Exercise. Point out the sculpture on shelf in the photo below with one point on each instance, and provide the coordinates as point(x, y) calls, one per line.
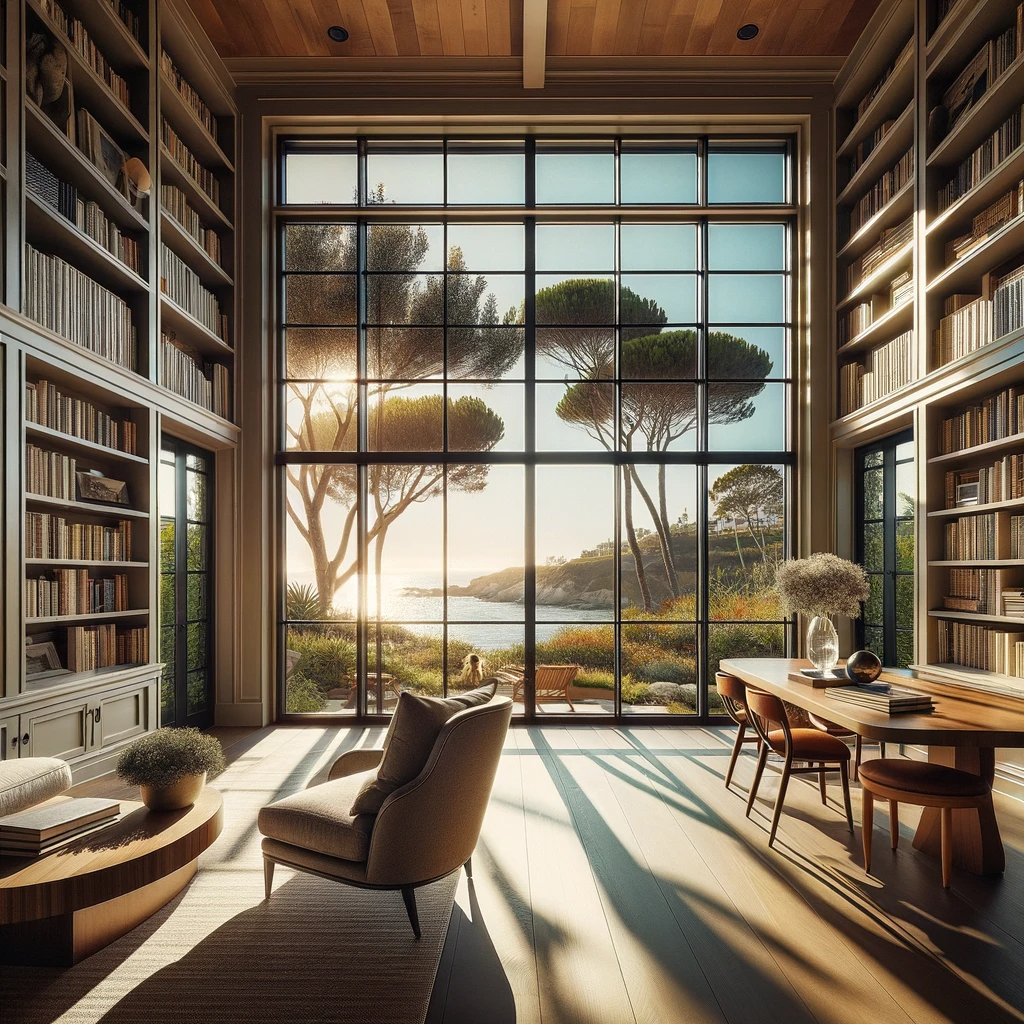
point(46, 80)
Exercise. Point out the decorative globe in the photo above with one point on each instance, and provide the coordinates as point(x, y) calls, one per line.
point(863, 667)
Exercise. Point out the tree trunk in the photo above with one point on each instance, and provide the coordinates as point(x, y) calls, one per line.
point(736, 537)
point(666, 532)
point(661, 528)
point(634, 547)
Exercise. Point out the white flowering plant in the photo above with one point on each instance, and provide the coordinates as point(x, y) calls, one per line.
point(823, 584)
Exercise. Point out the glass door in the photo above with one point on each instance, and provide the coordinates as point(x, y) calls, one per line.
point(885, 547)
point(186, 585)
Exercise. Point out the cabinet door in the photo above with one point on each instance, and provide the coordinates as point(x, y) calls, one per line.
point(64, 731)
point(10, 737)
point(122, 715)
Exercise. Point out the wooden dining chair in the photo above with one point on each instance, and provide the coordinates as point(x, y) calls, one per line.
point(734, 696)
point(925, 785)
point(821, 751)
point(843, 733)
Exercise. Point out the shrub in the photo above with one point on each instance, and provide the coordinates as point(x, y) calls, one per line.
point(595, 678)
point(591, 647)
point(636, 693)
point(326, 657)
point(744, 640)
point(681, 670)
point(163, 757)
point(302, 695)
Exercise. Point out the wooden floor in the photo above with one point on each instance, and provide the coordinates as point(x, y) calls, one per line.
point(616, 880)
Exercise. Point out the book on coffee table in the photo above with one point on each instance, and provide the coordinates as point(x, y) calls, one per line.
point(882, 697)
point(39, 829)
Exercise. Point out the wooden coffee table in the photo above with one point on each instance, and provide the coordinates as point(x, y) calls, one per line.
point(57, 909)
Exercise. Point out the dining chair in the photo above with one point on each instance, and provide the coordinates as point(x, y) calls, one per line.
point(822, 752)
point(843, 733)
point(733, 692)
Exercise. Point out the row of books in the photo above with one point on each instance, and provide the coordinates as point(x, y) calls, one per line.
point(185, 159)
point(965, 327)
point(49, 473)
point(862, 316)
point(982, 162)
point(177, 206)
point(992, 650)
point(890, 241)
point(185, 288)
point(1003, 480)
point(188, 93)
point(1017, 536)
point(887, 186)
point(75, 592)
point(47, 406)
point(82, 42)
point(48, 826)
point(867, 145)
point(890, 367)
point(129, 19)
point(1008, 303)
point(62, 299)
point(103, 646)
point(991, 220)
point(980, 591)
point(998, 416)
point(183, 372)
point(86, 215)
point(979, 536)
point(868, 98)
point(50, 536)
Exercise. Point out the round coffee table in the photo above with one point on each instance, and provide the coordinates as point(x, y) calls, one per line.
point(57, 909)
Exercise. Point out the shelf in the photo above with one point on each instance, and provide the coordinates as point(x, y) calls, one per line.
point(995, 620)
point(974, 678)
point(72, 682)
point(897, 209)
point(1001, 179)
point(196, 409)
point(58, 620)
point(55, 150)
point(86, 563)
point(172, 173)
point(978, 123)
point(969, 510)
point(100, 451)
point(85, 507)
point(891, 98)
point(109, 33)
point(988, 446)
point(182, 244)
point(46, 228)
point(962, 32)
point(1004, 244)
point(896, 320)
point(868, 285)
point(190, 129)
point(173, 319)
point(899, 139)
point(92, 92)
point(979, 563)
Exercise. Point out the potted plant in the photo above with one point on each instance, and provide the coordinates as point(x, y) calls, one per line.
point(170, 766)
point(819, 587)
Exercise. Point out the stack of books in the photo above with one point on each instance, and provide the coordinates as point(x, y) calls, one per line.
point(990, 221)
point(975, 590)
point(50, 825)
point(889, 368)
point(95, 647)
point(884, 697)
point(50, 536)
point(188, 93)
point(1013, 603)
point(187, 161)
point(75, 592)
point(1008, 303)
point(978, 537)
point(998, 416)
point(891, 240)
point(184, 373)
point(1002, 481)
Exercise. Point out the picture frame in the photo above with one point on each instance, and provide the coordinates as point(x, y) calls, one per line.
point(101, 489)
point(42, 660)
point(967, 494)
point(101, 149)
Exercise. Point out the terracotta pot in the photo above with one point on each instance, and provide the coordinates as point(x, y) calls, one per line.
point(176, 796)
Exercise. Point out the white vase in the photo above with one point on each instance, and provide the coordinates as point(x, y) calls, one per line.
point(822, 643)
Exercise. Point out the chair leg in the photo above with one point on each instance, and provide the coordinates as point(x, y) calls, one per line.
point(894, 823)
point(779, 800)
point(268, 876)
point(736, 748)
point(821, 784)
point(469, 867)
point(762, 758)
point(409, 897)
point(856, 756)
point(946, 827)
point(881, 747)
point(867, 824)
point(569, 702)
point(844, 774)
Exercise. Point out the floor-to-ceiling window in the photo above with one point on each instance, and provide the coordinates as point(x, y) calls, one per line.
point(534, 407)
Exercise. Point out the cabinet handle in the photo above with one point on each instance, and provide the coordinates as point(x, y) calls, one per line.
point(25, 739)
point(14, 741)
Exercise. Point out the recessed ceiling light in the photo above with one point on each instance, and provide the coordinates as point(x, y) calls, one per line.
point(747, 32)
point(337, 33)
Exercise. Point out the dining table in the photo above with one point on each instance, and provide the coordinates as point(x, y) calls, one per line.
point(962, 730)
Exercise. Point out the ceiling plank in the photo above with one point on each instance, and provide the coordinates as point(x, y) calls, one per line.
point(428, 27)
point(580, 37)
point(474, 27)
point(499, 39)
point(453, 39)
point(535, 35)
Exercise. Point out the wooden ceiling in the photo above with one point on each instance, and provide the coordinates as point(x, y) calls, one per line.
point(575, 28)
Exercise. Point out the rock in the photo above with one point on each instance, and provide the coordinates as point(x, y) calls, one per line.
point(675, 693)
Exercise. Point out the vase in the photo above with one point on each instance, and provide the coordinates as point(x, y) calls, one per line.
point(179, 794)
point(822, 643)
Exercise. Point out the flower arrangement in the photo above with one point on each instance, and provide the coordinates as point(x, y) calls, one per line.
point(822, 585)
point(162, 758)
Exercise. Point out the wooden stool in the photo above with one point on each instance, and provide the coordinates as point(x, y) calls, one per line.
point(842, 732)
point(734, 697)
point(925, 785)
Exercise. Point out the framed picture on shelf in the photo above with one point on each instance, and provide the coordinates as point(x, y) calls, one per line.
point(104, 152)
point(93, 487)
point(42, 660)
point(967, 494)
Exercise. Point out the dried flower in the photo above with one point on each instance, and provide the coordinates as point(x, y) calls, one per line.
point(822, 585)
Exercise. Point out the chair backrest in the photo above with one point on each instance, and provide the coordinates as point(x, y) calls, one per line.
point(766, 711)
point(555, 677)
point(430, 826)
point(733, 693)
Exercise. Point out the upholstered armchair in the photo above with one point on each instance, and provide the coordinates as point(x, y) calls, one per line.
point(424, 830)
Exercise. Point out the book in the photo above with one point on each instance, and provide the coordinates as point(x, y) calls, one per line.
point(996, 417)
point(183, 286)
point(883, 697)
point(50, 819)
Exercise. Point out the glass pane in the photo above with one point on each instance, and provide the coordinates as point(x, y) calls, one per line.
point(403, 657)
point(906, 487)
point(320, 247)
point(747, 247)
point(196, 547)
point(749, 353)
point(576, 247)
point(659, 246)
point(168, 601)
point(320, 353)
point(314, 178)
point(321, 417)
point(485, 179)
point(652, 177)
point(575, 179)
point(404, 299)
point(576, 417)
point(167, 651)
point(404, 247)
point(195, 633)
point(872, 483)
point(498, 649)
point(487, 246)
point(904, 648)
point(166, 698)
point(196, 601)
point(167, 546)
point(197, 692)
point(874, 614)
point(404, 353)
point(658, 298)
point(873, 459)
point(659, 669)
point(485, 353)
point(905, 602)
point(486, 417)
point(874, 640)
point(658, 559)
point(747, 298)
point(658, 417)
point(745, 540)
point(320, 669)
point(195, 496)
point(905, 546)
point(874, 550)
point(905, 451)
point(320, 299)
point(735, 176)
point(495, 299)
point(415, 179)
point(577, 300)
point(665, 355)
point(747, 417)
point(744, 640)
point(409, 419)
point(575, 550)
point(584, 654)
point(567, 353)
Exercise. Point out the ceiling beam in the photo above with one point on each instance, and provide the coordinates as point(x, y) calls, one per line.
point(535, 42)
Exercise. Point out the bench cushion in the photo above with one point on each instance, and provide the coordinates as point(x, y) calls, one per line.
point(27, 781)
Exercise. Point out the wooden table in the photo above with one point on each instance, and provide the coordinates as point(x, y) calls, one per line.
point(57, 909)
point(962, 730)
